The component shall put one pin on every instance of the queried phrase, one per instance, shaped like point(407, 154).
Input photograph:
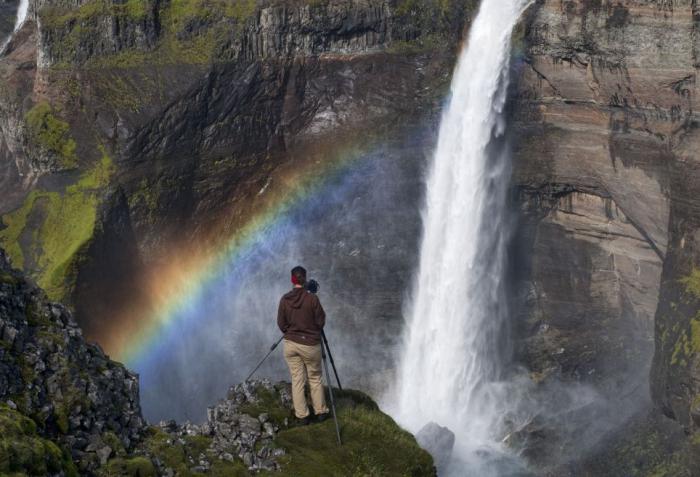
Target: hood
point(295, 297)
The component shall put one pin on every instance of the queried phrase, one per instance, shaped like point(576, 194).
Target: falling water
point(21, 16)
point(456, 343)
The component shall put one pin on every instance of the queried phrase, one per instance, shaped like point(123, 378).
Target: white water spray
point(22, 10)
point(456, 341)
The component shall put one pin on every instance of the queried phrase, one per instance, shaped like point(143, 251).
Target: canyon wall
point(605, 172)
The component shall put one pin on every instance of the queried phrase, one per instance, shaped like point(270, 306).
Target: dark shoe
point(303, 421)
point(322, 417)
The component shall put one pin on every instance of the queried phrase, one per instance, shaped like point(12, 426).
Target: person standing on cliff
point(301, 318)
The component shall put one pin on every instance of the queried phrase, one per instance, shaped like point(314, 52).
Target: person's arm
point(319, 314)
point(282, 322)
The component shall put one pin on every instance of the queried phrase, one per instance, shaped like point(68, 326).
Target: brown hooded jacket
point(301, 317)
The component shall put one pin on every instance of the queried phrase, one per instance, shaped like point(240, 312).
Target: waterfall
point(456, 347)
point(21, 17)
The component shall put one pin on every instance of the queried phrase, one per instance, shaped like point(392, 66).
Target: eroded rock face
point(605, 165)
point(197, 111)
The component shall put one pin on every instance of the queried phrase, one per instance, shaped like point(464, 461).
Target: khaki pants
point(305, 361)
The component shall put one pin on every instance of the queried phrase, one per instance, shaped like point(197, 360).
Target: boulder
point(439, 441)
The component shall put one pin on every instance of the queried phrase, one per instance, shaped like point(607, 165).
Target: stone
point(439, 441)
point(249, 424)
point(104, 454)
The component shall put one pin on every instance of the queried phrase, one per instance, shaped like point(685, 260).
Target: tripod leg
point(330, 355)
point(263, 360)
point(330, 392)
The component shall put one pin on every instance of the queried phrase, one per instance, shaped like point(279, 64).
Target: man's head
point(299, 276)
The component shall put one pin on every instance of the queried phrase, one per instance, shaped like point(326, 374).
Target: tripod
point(263, 360)
point(330, 389)
point(330, 355)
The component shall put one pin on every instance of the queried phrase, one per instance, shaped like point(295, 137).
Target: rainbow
point(175, 294)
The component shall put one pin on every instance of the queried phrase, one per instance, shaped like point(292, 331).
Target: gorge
point(164, 163)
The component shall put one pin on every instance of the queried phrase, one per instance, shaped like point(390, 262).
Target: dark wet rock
point(439, 441)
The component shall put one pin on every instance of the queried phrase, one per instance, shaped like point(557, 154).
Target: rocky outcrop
point(605, 115)
point(73, 393)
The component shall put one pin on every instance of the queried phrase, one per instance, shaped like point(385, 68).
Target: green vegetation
point(193, 31)
point(173, 454)
point(61, 225)
point(56, 17)
point(51, 134)
point(373, 444)
point(645, 451)
point(23, 452)
point(268, 404)
point(132, 467)
point(692, 283)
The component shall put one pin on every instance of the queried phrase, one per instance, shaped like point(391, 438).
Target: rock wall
point(196, 105)
point(605, 166)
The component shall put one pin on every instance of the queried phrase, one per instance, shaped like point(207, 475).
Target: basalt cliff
point(131, 131)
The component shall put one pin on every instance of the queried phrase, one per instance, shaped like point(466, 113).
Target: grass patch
point(66, 224)
point(132, 467)
point(692, 283)
point(269, 403)
point(57, 17)
point(23, 452)
point(373, 444)
point(51, 134)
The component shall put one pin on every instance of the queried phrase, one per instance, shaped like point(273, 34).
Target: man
point(301, 318)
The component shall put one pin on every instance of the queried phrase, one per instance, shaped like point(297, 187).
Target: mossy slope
point(24, 452)
point(46, 234)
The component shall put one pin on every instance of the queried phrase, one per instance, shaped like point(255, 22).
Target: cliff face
point(605, 168)
point(140, 126)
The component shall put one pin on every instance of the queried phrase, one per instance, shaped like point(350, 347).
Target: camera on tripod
point(312, 286)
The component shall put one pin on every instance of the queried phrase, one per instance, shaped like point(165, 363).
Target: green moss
point(66, 224)
point(680, 351)
point(51, 133)
point(222, 468)
point(13, 226)
point(179, 42)
point(269, 404)
point(133, 467)
point(111, 439)
point(695, 334)
point(423, 7)
point(23, 452)
point(373, 444)
point(240, 10)
point(56, 17)
point(146, 197)
point(692, 283)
